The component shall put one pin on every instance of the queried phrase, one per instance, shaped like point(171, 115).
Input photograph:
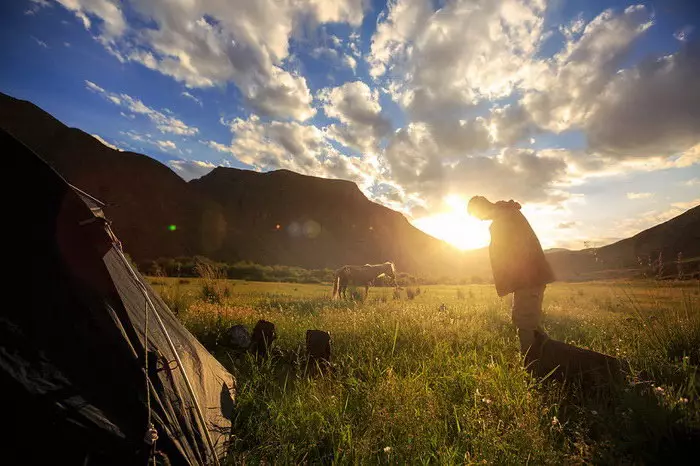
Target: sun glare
point(456, 226)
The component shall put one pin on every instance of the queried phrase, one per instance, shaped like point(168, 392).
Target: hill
point(286, 218)
point(641, 254)
point(279, 217)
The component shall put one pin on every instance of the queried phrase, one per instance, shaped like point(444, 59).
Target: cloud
point(357, 108)
point(192, 98)
point(296, 147)
point(107, 12)
point(165, 123)
point(211, 42)
point(422, 165)
point(652, 109)
point(692, 182)
point(325, 53)
point(35, 6)
point(350, 62)
point(432, 71)
point(218, 146)
point(166, 146)
point(562, 92)
point(631, 226)
point(687, 204)
point(634, 196)
point(40, 42)
point(683, 34)
point(111, 146)
point(567, 225)
point(190, 169)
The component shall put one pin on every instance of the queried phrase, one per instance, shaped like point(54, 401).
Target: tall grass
point(438, 378)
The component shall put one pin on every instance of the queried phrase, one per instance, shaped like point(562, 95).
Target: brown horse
point(362, 275)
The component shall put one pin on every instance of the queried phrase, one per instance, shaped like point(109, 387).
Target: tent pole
point(198, 409)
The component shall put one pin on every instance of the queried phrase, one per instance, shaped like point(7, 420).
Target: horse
point(363, 275)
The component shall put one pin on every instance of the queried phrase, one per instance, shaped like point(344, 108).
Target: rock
point(318, 350)
point(238, 337)
point(318, 345)
point(263, 336)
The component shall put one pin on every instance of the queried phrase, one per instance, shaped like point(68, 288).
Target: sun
point(456, 226)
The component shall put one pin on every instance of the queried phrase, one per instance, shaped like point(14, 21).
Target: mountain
point(144, 197)
point(632, 256)
point(278, 217)
point(285, 218)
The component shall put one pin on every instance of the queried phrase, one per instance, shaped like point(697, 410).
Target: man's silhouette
point(517, 262)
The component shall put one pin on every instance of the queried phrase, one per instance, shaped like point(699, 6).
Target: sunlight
point(456, 226)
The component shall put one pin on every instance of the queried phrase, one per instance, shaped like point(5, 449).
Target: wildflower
point(555, 421)
point(387, 450)
point(683, 400)
point(486, 400)
point(659, 389)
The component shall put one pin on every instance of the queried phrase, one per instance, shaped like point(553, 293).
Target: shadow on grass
point(633, 424)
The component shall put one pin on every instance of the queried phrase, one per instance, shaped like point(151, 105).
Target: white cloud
point(166, 145)
point(685, 205)
point(108, 12)
point(635, 196)
point(40, 42)
point(192, 98)
point(350, 62)
point(631, 226)
point(441, 62)
point(111, 146)
point(562, 92)
point(683, 34)
point(692, 182)
point(218, 146)
point(357, 108)
point(35, 6)
point(165, 123)
point(325, 53)
point(421, 165)
point(213, 42)
point(190, 169)
point(652, 109)
point(296, 147)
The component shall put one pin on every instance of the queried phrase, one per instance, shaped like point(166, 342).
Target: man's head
point(481, 208)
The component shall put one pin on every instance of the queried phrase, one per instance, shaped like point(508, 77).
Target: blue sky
point(587, 112)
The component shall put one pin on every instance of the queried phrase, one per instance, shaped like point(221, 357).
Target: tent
point(93, 365)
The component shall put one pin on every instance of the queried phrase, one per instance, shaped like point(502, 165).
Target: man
point(517, 262)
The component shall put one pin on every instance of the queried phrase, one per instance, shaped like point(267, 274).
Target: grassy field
point(438, 378)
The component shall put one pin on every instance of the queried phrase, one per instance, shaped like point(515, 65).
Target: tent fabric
point(72, 358)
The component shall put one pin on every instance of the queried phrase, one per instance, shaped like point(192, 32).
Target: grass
point(438, 378)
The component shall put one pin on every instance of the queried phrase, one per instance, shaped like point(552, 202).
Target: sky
point(585, 112)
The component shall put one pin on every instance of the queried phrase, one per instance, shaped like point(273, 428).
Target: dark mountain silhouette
point(640, 254)
point(279, 217)
point(286, 218)
point(144, 197)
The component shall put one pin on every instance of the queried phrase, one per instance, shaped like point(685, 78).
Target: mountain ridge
point(287, 218)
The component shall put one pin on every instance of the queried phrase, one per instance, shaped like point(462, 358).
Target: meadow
point(438, 378)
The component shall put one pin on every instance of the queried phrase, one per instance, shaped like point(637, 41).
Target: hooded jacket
point(517, 259)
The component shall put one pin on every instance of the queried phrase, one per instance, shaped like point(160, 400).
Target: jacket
point(517, 258)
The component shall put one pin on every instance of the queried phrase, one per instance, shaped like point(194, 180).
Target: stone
point(263, 335)
point(238, 337)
